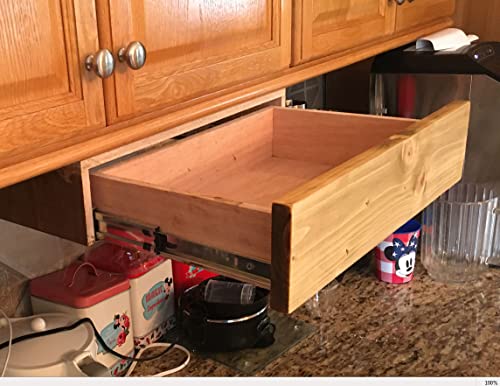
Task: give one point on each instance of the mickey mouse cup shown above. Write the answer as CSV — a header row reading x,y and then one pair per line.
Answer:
x,y
395,256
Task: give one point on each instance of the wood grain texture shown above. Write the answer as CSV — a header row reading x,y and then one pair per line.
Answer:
x,y
418,13
194,48
23,80
323,27
45,96
335,219
215,222
55,155
329,137
257,182
240,141
479,18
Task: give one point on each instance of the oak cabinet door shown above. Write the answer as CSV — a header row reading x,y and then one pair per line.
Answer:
x,y
421,12
194,48
47,98
323,27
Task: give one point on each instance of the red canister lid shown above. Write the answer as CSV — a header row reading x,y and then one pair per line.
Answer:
x,y
112,257
79,285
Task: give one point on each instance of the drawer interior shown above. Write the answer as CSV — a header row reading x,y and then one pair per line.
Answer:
x,y
232,174
257,159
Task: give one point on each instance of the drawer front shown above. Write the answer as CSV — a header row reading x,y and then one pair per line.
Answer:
x,y
307,193
326,225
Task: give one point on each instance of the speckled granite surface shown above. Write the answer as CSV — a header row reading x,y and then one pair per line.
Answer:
x,y
368,328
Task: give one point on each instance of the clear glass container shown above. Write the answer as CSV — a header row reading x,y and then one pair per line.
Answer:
x,y
494,261
458,233
229,292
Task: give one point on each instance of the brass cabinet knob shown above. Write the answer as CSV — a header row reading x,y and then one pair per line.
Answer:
x,y
102,63
134,55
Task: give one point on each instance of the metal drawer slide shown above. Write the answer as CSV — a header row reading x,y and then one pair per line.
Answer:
x,y
216,260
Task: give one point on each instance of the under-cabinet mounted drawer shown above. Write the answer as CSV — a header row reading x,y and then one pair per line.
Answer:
x,y
284,198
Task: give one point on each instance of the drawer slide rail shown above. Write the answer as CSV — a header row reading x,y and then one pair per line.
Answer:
x,y
155,240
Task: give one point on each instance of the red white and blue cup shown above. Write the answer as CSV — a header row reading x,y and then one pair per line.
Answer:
x,y
395,257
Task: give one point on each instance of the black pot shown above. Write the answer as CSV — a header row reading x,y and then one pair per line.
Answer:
x,y
220,327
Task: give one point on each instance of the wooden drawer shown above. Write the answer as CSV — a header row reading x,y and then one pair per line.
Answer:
x,y
306,192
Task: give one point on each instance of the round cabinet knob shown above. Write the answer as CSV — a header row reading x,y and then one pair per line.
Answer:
x,y
400,2
102,63
134,55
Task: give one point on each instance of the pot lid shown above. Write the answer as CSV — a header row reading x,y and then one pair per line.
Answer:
x,y
79,285
47,350
112,257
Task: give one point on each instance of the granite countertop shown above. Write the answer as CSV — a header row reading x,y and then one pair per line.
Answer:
x,y
369,328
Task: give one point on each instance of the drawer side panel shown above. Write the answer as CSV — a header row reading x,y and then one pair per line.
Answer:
x,y
230,226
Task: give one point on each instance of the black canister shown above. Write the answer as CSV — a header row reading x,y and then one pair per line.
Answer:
x,y
218,327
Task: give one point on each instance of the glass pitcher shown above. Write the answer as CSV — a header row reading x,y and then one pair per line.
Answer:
x,y
458,233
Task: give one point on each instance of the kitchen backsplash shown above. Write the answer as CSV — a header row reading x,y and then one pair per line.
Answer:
x,y
24,254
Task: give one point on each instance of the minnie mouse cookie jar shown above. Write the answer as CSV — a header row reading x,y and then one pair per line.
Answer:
x,y
151,287
395,257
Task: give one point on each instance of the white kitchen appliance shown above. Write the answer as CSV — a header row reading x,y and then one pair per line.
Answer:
x,y
69,353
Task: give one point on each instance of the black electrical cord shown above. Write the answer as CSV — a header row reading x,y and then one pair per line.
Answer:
x,y
97,335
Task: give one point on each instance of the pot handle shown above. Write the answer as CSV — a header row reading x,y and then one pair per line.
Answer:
x,y
71,281
82,364
265,331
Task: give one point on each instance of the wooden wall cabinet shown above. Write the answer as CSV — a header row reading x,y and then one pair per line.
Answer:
x,y
325,27
479,18
46,96
420,12
201,58
194,48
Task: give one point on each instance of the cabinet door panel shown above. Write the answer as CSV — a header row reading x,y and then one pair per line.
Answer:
x,y
45,94
195,47
420,12
323,27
